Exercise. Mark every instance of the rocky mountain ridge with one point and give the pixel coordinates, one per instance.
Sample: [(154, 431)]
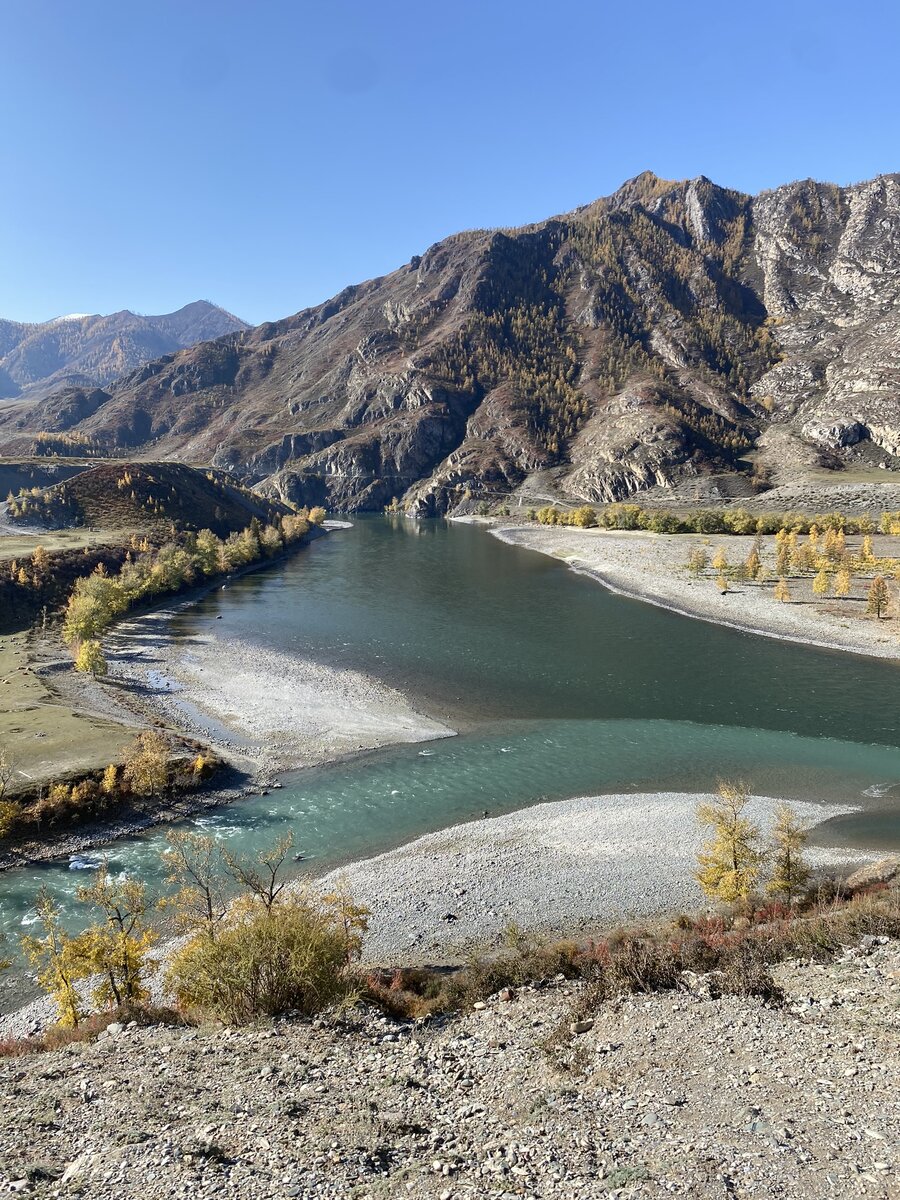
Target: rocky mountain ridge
[(84, 349), (667, 332)]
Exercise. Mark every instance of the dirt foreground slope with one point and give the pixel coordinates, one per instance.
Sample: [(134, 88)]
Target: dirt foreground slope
[(660, 1095)]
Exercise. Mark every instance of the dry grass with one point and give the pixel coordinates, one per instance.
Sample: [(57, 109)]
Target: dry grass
[(733, 961), (87, 1030)]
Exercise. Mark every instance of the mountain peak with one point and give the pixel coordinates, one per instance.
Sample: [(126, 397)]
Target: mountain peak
[(90, 349)]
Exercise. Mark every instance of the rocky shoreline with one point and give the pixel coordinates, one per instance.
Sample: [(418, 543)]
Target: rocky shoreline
[(563, 868), (567, 868)]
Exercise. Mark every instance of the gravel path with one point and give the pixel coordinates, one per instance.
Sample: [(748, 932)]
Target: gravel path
[(651, 567)]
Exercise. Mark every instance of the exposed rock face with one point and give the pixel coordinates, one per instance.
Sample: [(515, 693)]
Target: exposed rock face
[(644, 340), (36, 360)]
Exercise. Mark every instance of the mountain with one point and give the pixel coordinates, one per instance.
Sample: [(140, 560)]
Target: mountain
[(669, 332), (80, 349)]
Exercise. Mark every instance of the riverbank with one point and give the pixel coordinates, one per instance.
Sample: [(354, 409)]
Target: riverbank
[(564, 868), (651, 567), (568, 868), (263, 710)]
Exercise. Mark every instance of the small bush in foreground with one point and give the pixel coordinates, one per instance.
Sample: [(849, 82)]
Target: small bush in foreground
[(290, 957)]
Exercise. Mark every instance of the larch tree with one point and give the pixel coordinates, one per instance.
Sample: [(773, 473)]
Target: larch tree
[(821, 583), (790, 873), (729, 861), (843, 581), (697, 561), (720, 560), (879, 596), (782, 591)]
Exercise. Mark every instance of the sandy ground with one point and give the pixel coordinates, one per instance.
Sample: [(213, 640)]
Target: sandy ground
[(562, 867), (651, 567), (260, 708)]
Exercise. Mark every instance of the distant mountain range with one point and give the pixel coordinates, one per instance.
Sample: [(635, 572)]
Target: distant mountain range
[(86, 350), (664, 334)]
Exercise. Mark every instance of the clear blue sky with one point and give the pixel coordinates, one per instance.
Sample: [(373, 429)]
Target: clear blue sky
[(265, 153)]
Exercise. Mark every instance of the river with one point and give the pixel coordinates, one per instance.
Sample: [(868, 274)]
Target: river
[(558, 687)]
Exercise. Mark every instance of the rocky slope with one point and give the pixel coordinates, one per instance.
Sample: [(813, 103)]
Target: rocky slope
[(85, 350), (645, 340), (676, 1094)]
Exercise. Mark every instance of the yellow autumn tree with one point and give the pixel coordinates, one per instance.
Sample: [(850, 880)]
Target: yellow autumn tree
[(729, 861), (790, 873), (89, 658), (146, 767), (878, 597), (843, 581), (821, 583), (117, 944), (59, 959), (782, 591)]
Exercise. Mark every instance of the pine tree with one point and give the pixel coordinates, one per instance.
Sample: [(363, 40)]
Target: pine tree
[(790, 873), (729, 862), (878, 596)]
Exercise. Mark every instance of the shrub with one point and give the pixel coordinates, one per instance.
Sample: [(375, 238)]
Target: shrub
[(146, 769), (291, 957)]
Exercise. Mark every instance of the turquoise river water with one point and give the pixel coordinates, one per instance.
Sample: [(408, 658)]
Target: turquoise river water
[(558, 689)]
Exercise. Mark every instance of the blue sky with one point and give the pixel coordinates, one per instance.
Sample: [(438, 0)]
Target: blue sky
[(263, 155)]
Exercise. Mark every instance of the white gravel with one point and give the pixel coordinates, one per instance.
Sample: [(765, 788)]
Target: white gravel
[(277, 710), (560, 867)]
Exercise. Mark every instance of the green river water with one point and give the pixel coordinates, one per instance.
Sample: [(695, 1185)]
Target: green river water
[(558, 687)]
